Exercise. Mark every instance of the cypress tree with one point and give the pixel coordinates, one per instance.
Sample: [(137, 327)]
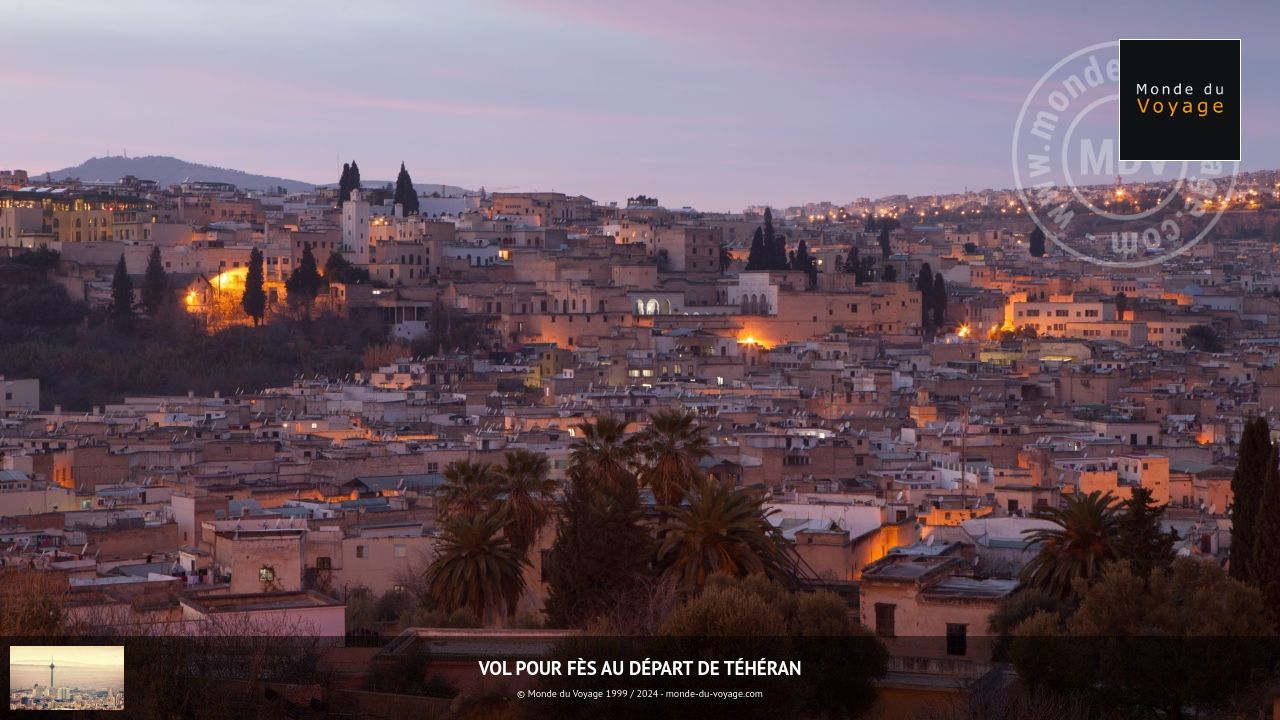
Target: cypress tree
[(155, 284), (344, 183), (405, 195), (924, 285), (756, 259), (885, 249), (889, 274), (121, 307), (1140, 541), (1036, 242), (1246, 488), (304, 282), (939, 300), (355, 176), (601, 555), (254, 300), (775, 248), (1265, 564)]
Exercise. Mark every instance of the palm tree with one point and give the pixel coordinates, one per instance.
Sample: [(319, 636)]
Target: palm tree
[(526, 495), (469, 488), (720, 529), (476, 566), (671, 447), (1083, 541), (602, 454)]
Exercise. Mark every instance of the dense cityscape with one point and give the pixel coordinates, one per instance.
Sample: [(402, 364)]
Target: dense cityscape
[(578, 360), (389, 413)]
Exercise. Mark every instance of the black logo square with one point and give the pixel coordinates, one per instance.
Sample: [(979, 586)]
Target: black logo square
[(1180, 100)]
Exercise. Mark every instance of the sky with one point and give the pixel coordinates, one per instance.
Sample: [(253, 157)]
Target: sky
[(716, 104), (68, 656)]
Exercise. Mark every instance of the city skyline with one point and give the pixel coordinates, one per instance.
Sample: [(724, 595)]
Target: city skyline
[(840, 103)]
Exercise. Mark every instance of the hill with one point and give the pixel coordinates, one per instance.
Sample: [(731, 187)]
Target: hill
[(168, 171)]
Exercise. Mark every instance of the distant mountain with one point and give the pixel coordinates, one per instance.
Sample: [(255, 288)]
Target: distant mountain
[(168, 171)]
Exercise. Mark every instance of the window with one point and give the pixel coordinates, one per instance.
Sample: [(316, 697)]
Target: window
[(399, 551), (884, 619), (360, 551), (957, 639), (267, 574), (324, 563)]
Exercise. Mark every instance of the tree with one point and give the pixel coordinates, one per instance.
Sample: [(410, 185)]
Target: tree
[(337, 269), (304, 282), (1246, 489), (349, 181), (476, 567), (406, 196), (924, 285), (155, 284), (469, 488), (775, 246), (1035, 242), (889, 274), (121, 307), (1190, 637), (1140, 540), (1122, 302), (885, 248), (602, 555), (1203, 338), (526, 495), (721, 529), (602, 455), (970, 249), (756, 258), (1083, 541), (254, 300), (671, 447), (938, 299), (1266, 541)]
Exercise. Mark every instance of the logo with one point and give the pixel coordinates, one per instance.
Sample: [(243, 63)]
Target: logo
[(1085, 199)]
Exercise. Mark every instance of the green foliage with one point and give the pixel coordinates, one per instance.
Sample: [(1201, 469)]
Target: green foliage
[(349, 181), (304, 283), (526, 496), (970, 249), (720, 529), (1083, 541), (1246, 488), (890, 273), (337, 269), (885, 248), (601, 556), (40, 257), (1265, 567), (1182, 638), (406, 196), (1140, 540), (1035, 242), (156, 292), (469, 488), (671, 447), (254, 299), (169, 354), (121, 307), (768, 249), (1203, 338), (476, 566), (938, 300)]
